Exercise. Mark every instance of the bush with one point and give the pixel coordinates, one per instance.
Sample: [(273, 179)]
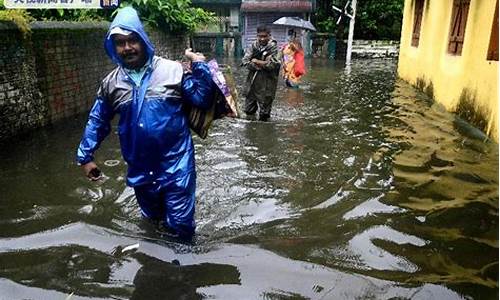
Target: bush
[(174, 16)]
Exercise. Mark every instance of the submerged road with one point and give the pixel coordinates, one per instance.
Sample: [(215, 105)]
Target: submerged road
[(359, 187)]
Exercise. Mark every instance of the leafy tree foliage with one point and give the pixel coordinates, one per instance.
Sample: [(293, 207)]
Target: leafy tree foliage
[(325, 17), (375, 19), (175, 16), (78, 15), (171, 15), (379, 19), (20, 18)]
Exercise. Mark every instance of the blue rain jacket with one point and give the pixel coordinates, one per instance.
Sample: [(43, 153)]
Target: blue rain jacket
[(153, 128)]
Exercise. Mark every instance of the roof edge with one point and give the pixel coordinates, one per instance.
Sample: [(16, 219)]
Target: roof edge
[(276, 6)]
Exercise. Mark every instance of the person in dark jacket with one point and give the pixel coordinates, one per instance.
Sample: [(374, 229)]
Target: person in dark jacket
[(262, 59), (148, 93)]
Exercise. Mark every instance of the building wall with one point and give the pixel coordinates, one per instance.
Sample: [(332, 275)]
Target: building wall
[(325, 45), (21, 103), (279, 33), (54, 73), (465, 84), (68, 66), (221, 44)]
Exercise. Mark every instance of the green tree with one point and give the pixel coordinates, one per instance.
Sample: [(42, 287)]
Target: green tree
[(76, 15), (325, 17), (175, 16), (379, 19), (375, 19)]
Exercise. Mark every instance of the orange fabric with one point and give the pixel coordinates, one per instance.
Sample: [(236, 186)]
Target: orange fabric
[(288, 64), (299, 68), (293, 64)]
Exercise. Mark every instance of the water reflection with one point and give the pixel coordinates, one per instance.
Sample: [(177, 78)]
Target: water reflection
[(372, 257), (160, 280), (294, 98), (156, 271), (107, 274)]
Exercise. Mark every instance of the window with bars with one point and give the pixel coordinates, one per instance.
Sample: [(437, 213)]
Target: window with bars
[(417, 22), (457, 28), (493, 48)]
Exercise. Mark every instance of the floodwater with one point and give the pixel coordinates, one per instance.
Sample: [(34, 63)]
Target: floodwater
[(359, 187)]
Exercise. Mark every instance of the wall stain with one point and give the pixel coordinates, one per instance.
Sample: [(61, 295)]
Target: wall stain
[(467, 107), (422, 85), (429, 90), (471, 112)]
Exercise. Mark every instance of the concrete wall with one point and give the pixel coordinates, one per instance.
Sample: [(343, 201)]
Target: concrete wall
[(22, 105), (54, 73), (322, 45), (375, 49), (207, 43), (69, 63), (325, 45), (466, 83)]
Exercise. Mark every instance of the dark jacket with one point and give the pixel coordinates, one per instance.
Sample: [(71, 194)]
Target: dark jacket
[(262, 83)]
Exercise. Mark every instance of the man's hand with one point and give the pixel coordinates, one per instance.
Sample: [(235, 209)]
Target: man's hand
[(259, 63), (194, 57), (91, 170)]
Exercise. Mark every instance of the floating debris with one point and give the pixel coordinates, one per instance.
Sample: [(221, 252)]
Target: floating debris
[(111, 162)]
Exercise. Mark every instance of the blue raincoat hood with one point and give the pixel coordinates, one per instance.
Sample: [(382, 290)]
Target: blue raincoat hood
[(128, 19)]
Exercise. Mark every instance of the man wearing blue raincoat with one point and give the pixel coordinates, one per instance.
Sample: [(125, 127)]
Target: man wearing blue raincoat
[(148, 93)]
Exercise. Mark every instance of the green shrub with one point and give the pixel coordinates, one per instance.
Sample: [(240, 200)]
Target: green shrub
[(19, 17), (174, 16)]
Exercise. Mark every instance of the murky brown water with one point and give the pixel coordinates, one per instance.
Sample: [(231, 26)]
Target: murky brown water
[(359, 188)]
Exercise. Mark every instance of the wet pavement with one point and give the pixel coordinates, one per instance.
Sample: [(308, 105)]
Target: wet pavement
[(359, 187)]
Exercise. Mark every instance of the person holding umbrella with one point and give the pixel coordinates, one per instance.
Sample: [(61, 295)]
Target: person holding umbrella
[(262, 59), (293, 53), (293, 63)]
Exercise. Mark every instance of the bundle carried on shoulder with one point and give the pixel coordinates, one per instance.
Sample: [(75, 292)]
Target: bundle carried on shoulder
[(224, 101)]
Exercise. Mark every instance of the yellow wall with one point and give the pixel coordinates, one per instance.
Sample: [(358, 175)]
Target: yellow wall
[(448, 76)]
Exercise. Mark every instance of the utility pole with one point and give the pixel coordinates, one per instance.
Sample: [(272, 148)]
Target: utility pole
[(343, 12), (351, 33)]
